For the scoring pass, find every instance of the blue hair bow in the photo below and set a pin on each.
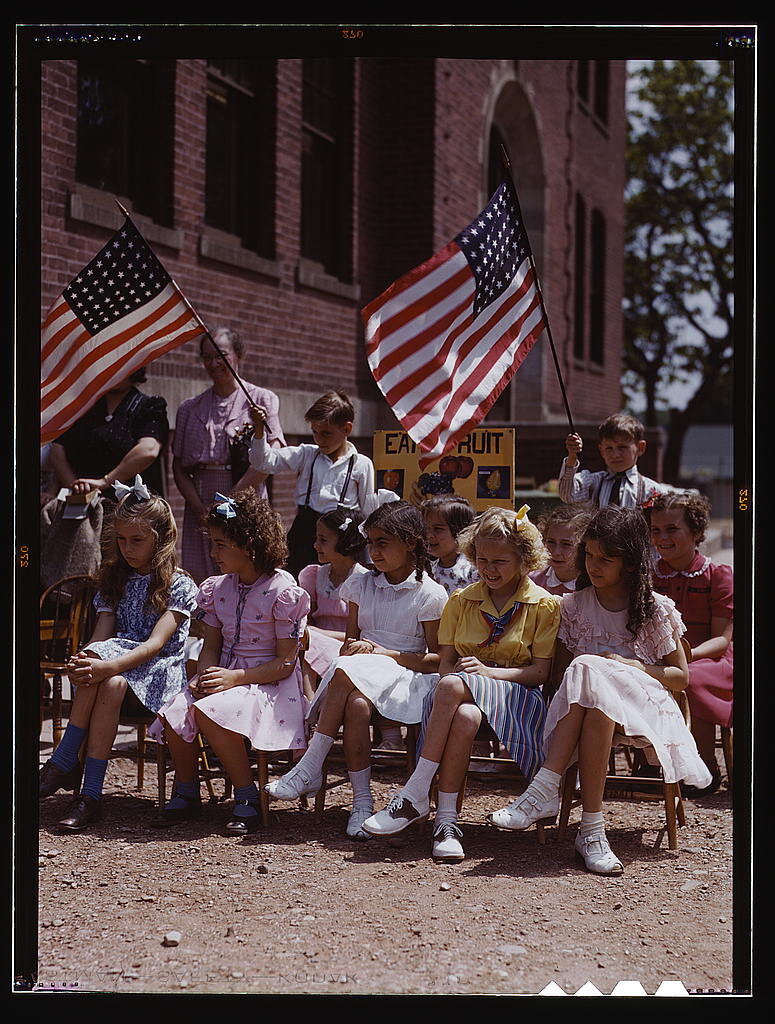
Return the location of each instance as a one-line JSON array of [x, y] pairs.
[[139, 489], [228, 506]]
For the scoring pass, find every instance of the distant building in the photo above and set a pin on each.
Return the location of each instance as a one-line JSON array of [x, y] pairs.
[[707, 463], [284, 194]]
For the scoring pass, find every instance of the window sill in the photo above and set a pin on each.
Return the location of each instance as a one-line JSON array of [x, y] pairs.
[[310, 275], [588, 366], [227, 249], [91, 206]]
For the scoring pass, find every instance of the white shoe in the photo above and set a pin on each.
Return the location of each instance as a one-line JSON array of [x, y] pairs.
[[597, 855], [357, 817], [526, 810], [296, 783], [447, 848], [399, 815]]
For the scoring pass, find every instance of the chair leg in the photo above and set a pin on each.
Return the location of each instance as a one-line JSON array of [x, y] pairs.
[[263, 779], [141, 730], [161, 774], [320, 796], [568, 789], [670, 792], [411, 749], [56, 708], [726, 746]]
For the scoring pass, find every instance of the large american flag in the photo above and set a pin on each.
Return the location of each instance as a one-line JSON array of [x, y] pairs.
[[445, 339], [120, 312]]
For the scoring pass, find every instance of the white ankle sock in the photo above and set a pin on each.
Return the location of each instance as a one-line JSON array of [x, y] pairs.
[[419, 785], [546, 783], [361, 784], [591, 822], [446, 808], [317, 751]]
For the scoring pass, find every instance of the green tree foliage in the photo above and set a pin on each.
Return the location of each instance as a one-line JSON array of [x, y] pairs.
[[679, 252]]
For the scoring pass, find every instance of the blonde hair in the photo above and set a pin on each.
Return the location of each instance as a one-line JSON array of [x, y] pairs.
[[156, 515], [514, 528]]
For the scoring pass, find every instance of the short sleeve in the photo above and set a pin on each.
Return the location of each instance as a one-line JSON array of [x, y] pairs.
[[183, 593], [547, 626], [433, 602], [722, 585], [289, 612], [274, 427], [308, 580], [181, 426], [450, 617], [101, 605], [150, 419], [660, 634], [352, 588], [205, 602]]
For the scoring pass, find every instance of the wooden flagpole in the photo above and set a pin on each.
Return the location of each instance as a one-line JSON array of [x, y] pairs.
[[198, 319], [507, 169]]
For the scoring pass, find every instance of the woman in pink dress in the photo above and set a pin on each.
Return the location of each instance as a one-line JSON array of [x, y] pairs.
[[204, 426], [248, 682], [704, 595]]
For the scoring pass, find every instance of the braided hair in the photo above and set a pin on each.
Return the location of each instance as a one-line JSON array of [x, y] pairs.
[[623, 533], [403, 520]]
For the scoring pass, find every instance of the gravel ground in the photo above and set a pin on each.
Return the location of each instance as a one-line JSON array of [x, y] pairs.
[[299, 908]]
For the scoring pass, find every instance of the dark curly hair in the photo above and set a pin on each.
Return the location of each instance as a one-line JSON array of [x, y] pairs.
[[349, 539], [256, 528], [695, 506], [456, 511], [403, 520], [622, 533]]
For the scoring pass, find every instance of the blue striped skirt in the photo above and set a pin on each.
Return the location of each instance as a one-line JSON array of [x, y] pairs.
[[514, 712]]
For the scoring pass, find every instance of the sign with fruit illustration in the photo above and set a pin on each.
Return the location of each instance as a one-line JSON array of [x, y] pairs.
[[480, 467]]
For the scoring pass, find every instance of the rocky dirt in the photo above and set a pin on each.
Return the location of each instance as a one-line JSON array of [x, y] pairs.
[[299, 908]]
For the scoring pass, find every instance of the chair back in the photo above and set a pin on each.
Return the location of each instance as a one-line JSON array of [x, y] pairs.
[[67, 618]]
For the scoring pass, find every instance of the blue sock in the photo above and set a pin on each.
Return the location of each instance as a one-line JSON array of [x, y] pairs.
[[183, 789], [246, 793], [66, 754], [93, 777]]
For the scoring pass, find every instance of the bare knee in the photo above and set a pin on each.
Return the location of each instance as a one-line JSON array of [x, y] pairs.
[[112, 690], [467, 720], [450, 690], [358, 708]]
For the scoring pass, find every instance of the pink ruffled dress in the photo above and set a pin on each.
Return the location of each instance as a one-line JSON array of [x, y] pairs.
[[251, 619], [330, 613], [645, 712]]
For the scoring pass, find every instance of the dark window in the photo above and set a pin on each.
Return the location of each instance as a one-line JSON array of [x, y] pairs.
[[580, 278], [239, 170], [597, 287], [125, 129], [602, 74], [326, 182], [582, 82]]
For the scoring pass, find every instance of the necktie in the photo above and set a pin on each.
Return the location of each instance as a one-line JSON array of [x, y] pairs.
[[616, 490]]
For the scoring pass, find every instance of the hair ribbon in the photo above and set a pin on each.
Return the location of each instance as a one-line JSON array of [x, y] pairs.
[[522, 522], [139, 489], [228, 506], [345, 524]]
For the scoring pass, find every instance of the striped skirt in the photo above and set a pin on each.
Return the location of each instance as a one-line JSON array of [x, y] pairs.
[[514, 712]]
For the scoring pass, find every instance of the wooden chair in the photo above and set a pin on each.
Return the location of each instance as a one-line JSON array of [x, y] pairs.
[[66, 620], [726, 748]]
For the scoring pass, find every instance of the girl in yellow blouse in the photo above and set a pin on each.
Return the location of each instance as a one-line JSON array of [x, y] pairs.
[[496, 640]]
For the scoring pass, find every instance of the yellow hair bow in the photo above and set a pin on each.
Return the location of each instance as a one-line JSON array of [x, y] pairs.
[[522, 522]]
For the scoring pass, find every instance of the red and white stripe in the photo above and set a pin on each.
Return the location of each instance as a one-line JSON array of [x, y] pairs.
[[77, 367], [440, 369]]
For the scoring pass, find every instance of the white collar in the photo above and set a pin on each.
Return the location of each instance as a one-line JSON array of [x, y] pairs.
[[408, 584], [552, 580], [682, 572]]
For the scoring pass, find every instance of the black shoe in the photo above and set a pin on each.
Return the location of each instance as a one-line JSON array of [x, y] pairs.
[[172, 815], [243, 826], [52, 778], [83, 811], [695, 791]]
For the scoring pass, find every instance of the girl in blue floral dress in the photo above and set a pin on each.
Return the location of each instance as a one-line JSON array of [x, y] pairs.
[[144, 605]]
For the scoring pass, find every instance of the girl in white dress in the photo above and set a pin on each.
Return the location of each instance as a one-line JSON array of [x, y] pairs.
[[620, 654], [389, 658]]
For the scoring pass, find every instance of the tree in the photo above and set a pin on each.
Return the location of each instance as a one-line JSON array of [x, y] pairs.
[[678, 309]]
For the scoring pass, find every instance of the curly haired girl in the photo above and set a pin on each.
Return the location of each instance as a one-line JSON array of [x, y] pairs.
[[619, 652], [144, 605], [248, 682]]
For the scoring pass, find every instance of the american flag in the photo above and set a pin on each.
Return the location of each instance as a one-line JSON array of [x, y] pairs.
[[120, 312], [445, 339]]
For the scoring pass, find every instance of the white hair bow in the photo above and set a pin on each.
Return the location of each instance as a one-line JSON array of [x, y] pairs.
[[345, 524], [228, 506], [139, 489]]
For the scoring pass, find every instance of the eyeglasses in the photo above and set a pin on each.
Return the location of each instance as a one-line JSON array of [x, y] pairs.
[[210, 357]]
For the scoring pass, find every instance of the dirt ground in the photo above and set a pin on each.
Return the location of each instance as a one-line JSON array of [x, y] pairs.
[[299, 908]]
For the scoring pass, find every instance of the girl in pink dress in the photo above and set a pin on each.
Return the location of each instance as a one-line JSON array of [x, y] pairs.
[[339, 545], [619, 650], [248, 683], [561, 530], [703, 593]]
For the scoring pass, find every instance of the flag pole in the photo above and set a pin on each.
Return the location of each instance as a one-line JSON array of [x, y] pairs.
[[507, 169], [201, 323]]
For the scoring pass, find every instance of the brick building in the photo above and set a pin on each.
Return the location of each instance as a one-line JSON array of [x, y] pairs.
[[284, 194]]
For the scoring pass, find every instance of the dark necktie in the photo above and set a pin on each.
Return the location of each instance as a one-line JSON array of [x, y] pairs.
[[616, 490]]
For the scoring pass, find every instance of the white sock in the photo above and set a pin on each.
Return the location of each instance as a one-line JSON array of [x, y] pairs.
[[446, 809], [546, 783], [361, 784], [317, 751], [591, 822], [419, 785]]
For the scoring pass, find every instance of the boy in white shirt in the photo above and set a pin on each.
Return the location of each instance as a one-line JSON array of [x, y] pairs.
[[330, 473]]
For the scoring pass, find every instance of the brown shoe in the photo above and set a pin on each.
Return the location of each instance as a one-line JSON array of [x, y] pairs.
[[82, 812], [52, 778]]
